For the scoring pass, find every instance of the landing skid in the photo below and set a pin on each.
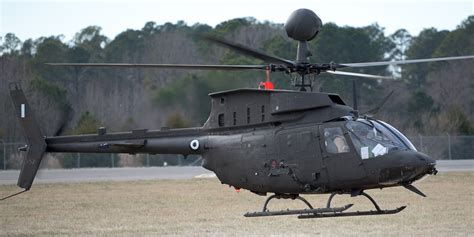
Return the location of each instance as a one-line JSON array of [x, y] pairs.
[[309, 212], [325, 212], [356, 213]]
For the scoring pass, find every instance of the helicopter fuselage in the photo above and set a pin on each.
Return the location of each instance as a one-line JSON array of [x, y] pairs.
[[276, 141]]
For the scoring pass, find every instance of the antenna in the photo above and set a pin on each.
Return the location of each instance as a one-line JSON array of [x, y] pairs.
[[354, 98], [267, 85]]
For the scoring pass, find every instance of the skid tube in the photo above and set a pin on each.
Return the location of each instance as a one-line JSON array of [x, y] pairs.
[[325, 212]]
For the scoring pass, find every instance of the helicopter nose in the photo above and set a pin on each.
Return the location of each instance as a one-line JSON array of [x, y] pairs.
[[425, 165], [407, 167]]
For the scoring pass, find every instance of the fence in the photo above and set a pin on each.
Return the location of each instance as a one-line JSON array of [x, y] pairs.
[[445, 147], [438, 147]]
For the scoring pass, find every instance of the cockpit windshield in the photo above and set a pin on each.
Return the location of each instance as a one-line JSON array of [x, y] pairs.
[[373, 138]]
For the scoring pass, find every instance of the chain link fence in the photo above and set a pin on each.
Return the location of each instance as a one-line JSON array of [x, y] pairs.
[[438, 147], [445, 147]]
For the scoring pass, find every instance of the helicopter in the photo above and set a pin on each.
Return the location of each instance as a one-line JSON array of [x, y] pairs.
[[286, 143]]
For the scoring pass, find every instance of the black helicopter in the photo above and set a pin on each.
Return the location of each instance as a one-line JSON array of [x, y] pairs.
[[286, 143]]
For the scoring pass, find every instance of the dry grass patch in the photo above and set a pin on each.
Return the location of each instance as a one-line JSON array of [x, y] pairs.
[[200, 207]]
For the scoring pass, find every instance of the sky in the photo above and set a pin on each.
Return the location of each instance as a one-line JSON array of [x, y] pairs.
[[36, 18]]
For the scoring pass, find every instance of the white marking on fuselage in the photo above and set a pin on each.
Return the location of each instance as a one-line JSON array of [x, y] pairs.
[[23, 110], [194, 144]]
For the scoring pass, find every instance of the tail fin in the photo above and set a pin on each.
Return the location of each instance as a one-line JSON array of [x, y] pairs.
[[35, 140]]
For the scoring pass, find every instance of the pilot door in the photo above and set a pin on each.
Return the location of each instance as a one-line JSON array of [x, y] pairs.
[[339, 156]]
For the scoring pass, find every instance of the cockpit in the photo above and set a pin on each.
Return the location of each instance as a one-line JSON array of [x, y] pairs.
[[370, 138]]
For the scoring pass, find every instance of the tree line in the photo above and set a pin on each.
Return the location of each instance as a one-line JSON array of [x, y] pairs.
[[429, 99]]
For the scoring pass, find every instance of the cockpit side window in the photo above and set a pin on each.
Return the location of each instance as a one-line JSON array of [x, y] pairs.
[[372, 139], [335, 141]]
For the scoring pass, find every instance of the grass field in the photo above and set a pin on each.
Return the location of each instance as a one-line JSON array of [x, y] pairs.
[[203, 207]]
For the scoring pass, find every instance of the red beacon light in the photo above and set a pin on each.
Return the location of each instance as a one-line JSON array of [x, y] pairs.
[[266, 85]]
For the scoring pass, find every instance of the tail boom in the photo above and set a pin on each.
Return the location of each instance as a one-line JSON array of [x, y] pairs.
[[179, 141]]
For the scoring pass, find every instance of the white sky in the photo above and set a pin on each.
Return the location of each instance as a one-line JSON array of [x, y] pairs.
[[35, 18]]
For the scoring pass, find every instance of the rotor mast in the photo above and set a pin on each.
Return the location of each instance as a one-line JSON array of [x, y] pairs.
[[303, 53], [302, 60], [303, 25]]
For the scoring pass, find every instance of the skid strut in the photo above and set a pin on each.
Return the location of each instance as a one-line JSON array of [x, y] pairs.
[[377, 211], [311, 210], [278, 196], [327, 211]]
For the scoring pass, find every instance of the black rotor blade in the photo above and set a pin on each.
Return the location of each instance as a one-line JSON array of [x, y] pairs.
[[169, 66], [374, 111], [386, 63], [249, 51]]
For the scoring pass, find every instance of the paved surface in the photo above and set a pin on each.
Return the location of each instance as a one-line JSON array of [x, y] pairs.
[[149, 173], [454, 165], [108, 174]]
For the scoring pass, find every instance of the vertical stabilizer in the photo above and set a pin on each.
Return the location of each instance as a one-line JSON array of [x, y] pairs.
[[35, 140]]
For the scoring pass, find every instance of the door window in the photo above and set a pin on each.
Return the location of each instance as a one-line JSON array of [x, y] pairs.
[[335, 141]]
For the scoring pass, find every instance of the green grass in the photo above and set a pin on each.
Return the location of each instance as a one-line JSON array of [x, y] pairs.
[[200, 207]]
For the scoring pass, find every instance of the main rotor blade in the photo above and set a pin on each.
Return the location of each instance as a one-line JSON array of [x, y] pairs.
[[374, 111], [170, 66], [424, 60], [358, 75], [249, 51]]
